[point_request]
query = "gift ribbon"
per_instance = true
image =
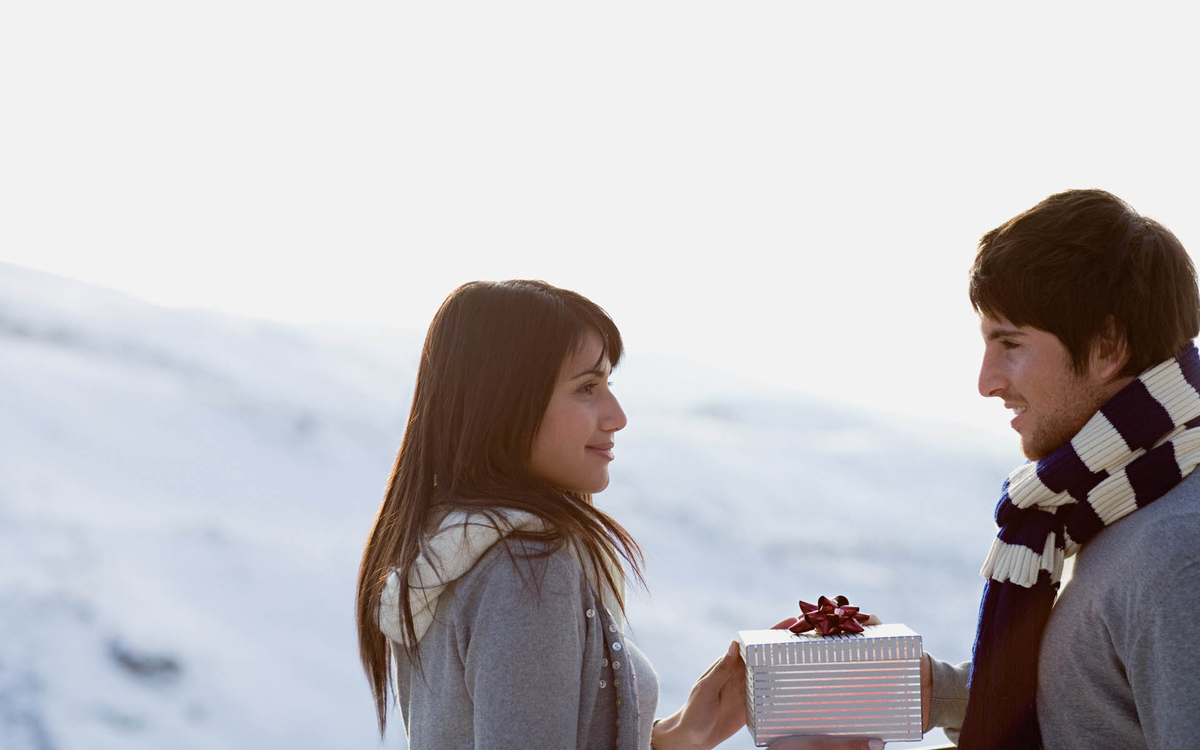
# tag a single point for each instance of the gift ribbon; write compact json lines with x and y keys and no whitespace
{"x":830,"y":617}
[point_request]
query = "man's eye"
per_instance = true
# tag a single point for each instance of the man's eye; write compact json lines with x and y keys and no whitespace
{"x":1009,"y":344}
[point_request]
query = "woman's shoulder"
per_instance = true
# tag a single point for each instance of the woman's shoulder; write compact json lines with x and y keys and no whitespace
{"x":531,"y":588}
{"x":515,"y":565}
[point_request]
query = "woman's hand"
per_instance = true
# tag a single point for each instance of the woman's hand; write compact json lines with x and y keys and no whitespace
{"x":715,"y":709}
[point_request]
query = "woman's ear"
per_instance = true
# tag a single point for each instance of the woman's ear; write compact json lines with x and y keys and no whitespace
{"x":1110,"y":351}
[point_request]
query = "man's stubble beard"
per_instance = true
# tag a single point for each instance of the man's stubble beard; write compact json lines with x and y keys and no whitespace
{"x":1057,"y":428}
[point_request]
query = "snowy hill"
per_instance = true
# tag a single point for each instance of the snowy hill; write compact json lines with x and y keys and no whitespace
{"x":183,"y":499}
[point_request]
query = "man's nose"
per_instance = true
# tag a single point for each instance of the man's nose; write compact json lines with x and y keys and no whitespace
{"x":992,"y":380}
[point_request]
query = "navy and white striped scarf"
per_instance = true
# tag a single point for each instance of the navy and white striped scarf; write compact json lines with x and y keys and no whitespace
{"x":1139,"y":445}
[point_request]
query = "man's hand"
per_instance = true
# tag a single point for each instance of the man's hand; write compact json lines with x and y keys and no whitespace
{"x":926,"y":690}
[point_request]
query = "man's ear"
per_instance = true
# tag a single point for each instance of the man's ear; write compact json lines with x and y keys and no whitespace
{"x":1110,"y":350}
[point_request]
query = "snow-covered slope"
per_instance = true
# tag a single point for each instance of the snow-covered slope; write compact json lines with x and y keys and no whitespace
{"x":183,"y":499}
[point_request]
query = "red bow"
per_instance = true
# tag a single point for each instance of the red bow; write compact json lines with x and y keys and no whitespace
{"x":830,"y":617}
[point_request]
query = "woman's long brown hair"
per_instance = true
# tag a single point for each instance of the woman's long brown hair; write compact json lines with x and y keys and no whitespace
{"x":489,"y":365}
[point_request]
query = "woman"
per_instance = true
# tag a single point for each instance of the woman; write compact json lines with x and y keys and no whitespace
{"x":490,"y":579}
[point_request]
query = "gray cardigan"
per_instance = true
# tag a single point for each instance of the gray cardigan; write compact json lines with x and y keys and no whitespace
{"x":1120,"y":658}
{"x":525,"y":657}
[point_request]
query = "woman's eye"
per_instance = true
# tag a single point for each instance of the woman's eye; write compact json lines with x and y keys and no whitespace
{"x":589,"y":388}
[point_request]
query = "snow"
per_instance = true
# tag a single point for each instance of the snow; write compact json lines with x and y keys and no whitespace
{"x":184,"y":497}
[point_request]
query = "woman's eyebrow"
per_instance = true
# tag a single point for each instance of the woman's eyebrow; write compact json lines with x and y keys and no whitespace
{"x":596,"y":371}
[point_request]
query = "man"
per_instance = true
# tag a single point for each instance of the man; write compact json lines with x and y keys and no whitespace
{"x":1088,"y":311}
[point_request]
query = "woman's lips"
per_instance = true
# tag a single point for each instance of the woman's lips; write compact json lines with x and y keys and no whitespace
{"x":604,"y":449}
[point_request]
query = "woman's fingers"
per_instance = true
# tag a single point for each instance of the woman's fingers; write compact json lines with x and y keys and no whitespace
{"x":731,"y":653}
{"x":714,"y":677}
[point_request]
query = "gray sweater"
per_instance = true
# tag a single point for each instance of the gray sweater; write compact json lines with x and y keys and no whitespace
{"x":1120,"y":658}
{"x":525,"y":657}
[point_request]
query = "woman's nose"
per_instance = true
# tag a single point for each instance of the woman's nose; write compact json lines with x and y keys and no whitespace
{"x":614,"y":417}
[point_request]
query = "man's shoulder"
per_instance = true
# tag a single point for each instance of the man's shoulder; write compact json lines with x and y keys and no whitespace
{"x":1158,"y":537}
{"x":1172,"y":518}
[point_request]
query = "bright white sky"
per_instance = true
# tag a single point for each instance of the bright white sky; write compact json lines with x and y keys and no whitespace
{"x":789,"y":191}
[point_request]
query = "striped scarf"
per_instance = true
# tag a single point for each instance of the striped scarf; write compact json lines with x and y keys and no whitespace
{"x":1139,"y":445}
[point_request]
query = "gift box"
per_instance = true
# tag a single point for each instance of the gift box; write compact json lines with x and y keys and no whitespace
{"x":864,"y":684}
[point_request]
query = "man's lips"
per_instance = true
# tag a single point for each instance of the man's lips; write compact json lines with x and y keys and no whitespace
{"x":1018,"y":410}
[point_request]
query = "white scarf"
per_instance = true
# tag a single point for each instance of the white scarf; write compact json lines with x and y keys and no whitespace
{"x":460,"y":539}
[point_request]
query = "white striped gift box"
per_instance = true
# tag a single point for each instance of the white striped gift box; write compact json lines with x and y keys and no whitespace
{"x":863,"y":684}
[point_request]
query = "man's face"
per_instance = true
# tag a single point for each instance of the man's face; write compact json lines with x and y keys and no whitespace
{"x":1030,"y":370}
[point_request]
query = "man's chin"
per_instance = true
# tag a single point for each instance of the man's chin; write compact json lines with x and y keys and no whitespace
{"x":1031,"y":454}
{"x":1038,"y":447}
{"x":1031,"y":447}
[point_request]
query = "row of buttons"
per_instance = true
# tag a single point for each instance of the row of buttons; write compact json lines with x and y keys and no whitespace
{"x":612,"y":628}
{"x":616,"y":646}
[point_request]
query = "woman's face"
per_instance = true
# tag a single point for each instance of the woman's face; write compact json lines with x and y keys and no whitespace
{"x":574,"y":445}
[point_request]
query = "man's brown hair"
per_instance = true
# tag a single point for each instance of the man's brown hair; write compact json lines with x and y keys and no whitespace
{"x":1080,"y":259}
